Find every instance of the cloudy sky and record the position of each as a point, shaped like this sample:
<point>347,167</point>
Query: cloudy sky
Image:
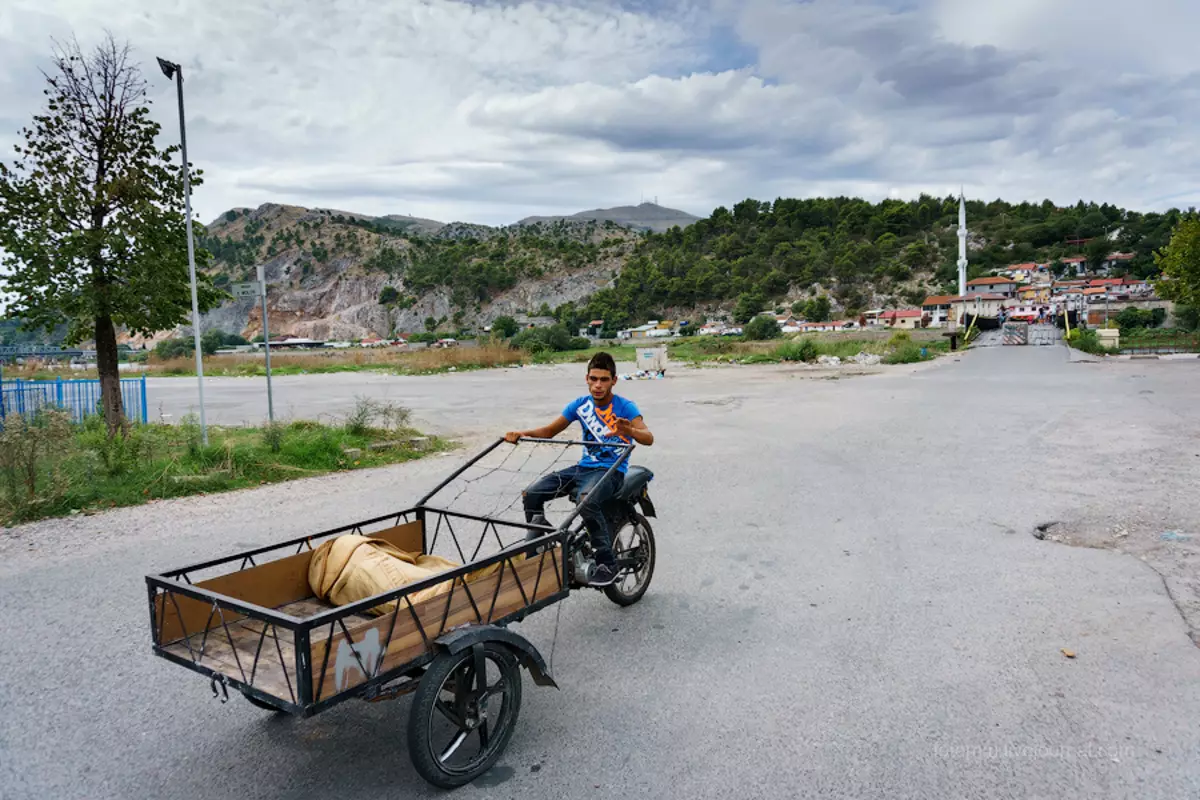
<point>489,111</point>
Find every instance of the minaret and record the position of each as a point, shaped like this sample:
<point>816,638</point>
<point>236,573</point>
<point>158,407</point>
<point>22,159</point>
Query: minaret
<point>962,245</point>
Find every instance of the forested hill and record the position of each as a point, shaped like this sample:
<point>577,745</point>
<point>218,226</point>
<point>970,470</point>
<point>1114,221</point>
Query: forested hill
<point>890,253</point>
<point>341,275</point>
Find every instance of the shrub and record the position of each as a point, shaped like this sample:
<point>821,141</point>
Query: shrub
<point>1131,318</point>
<point>27,449</point>
<point>370,414</point>
<point>799,350</point>
<point>505,326</point>
<point>761,328</point>
<point>712,345</point>
<point>174,348</point>
<point>1187,318</point>
<point>906,353</point>
<point>555,338</point>
<point>899,338</point>
<point>272,436</point>
<point>1088,341</point>
<point>388,294</point>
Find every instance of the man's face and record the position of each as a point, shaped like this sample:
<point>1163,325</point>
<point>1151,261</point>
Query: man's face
<point>600,383</point>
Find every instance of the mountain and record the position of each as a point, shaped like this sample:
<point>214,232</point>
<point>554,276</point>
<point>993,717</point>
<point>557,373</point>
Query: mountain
<point>337,275</point>
<point>340,275</point>
<point>647,217</point>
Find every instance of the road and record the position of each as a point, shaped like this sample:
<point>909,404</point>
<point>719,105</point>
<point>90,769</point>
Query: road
<point>848,602</point>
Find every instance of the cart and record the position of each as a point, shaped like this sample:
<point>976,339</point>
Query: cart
<point>257,627</point>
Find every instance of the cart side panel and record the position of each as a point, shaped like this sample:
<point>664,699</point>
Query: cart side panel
<point>391,641</point>
<point>270,584</point>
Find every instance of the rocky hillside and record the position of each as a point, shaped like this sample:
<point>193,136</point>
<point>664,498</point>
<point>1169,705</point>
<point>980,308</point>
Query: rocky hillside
<point>646,217</point>
<point>338,275</point>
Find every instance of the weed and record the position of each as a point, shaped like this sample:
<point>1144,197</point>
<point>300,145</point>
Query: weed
<point>799,350</point>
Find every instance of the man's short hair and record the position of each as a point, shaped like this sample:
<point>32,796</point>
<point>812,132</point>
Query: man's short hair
<point>603,361</point>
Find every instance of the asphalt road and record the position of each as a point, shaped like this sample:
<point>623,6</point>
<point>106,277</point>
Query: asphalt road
<point>848,602</point>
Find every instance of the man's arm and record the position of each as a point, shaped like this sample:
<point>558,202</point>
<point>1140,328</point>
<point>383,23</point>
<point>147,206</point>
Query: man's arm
<point>635,429</point>
<point>557,426</point>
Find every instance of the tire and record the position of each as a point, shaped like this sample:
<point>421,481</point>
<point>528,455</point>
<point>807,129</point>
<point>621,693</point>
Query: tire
<point>254,701</point>
<point>439,702</point>
<point>625,592</point>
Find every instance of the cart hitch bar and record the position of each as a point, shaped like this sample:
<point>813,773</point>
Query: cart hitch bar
<point>220,679</point>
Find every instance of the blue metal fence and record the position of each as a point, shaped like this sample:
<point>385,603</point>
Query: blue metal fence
<point>80,397</point>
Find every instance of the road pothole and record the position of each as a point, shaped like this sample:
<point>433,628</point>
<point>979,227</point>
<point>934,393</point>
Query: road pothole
<point>1170,552</point>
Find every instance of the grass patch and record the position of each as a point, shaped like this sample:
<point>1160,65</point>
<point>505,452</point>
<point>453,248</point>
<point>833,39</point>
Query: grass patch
<point>1087,340</point>
<point>51,468</point>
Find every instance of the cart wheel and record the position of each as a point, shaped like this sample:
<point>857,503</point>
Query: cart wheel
<point>634,544</point>
<point>254,701</point>
<point>463,714</point>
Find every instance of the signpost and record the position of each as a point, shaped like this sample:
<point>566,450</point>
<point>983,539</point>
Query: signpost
<point>259,289</point>
<point>262,285</point>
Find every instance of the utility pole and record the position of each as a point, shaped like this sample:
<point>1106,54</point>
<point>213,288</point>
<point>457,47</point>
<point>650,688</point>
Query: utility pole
<point>962,245</point>
<point>175,71</point>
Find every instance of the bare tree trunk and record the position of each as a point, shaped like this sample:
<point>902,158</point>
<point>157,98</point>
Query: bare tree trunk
<point>110,376</point>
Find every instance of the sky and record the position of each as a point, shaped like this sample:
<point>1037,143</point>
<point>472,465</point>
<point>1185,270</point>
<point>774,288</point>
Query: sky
<point>490,111</point>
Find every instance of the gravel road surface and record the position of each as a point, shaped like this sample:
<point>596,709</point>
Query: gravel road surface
<point>849,601</point>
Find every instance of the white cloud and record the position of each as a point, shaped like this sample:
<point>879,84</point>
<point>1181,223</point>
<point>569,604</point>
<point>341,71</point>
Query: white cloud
<point>490,111</point>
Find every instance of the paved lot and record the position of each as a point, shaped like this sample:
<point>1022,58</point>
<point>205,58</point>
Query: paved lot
<point>848,603</point>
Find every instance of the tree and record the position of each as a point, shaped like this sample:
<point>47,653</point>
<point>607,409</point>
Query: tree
<point>761,327</point>
<point>817,309</point>
<point>431,324</point>
<point>92,229</point>
<point>506,326</point>
<point>1097,251</point>
<point>388,294</point>
<point>1179,262</point>
<point>747,306</point>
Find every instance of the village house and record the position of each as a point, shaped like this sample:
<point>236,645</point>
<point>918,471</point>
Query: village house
<point>996,285</point>
<point>1115,261</point>
<point>1034,294</point>
<point>937,307</point>
<point>1076,265</point>
<point>985,304</point>
<point>906,318</point>
<point>1062,287</point>
<point>1026,272</point>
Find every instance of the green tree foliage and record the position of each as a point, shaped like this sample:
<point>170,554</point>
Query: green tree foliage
<point>554,338</point>
<point>748,306</point>
<point>505,326</point>
<point>1180,264</point>
<point>761,328</point>
<point>1187,318</point>
<point>91,214</point>
<point>817,309</point>
<point>763,250</point>
<point>1131,318</point>
<point>1097,252</point>
<point>388,294</point>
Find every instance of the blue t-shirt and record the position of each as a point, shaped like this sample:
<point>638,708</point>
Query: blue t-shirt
<point>599,425</point>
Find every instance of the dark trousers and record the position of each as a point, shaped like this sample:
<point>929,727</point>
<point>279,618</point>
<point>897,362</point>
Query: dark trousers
<point>591,493</point>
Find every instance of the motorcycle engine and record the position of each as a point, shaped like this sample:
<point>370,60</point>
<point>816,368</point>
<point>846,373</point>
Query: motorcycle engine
<point>582,567</point>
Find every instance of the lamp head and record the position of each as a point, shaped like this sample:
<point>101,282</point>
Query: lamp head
<point>167,67</point>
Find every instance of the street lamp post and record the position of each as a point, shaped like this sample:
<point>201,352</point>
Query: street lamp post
<point>172,70</point>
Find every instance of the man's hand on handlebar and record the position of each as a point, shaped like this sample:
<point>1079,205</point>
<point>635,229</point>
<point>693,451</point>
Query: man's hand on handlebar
<point>512,436</point>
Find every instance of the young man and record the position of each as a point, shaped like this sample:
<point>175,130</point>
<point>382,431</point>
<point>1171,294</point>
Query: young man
<point>604,417</point>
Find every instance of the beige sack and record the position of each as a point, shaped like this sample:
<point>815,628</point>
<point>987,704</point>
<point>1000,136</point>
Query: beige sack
<point>353,567</point>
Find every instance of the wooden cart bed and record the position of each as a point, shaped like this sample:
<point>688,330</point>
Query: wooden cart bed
<point>353,648</point>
